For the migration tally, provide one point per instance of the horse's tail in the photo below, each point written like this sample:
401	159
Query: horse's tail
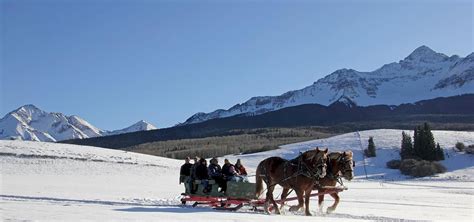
259	179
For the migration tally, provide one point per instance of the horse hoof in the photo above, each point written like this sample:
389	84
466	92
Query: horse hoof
294	208
308	214
330	210
282	207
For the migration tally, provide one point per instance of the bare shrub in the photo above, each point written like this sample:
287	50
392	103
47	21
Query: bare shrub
469	149
394	164
460	146
406	166
421	168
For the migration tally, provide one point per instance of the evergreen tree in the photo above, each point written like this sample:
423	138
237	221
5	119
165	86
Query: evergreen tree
428	143
416	142
439	152
424	146
371	148
407	147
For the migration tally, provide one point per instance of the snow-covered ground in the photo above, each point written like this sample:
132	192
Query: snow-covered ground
46	181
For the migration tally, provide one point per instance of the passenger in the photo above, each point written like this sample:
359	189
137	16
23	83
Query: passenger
228	170
192	174
185	170
215	172
203	175
242	173
240	168
193	167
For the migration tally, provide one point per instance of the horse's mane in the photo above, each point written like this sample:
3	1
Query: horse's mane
332	155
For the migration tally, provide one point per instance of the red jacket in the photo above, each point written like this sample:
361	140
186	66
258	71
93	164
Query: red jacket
241	170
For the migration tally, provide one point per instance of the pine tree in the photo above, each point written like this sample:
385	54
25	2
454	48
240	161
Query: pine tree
406	147
439	152
416	142
429	146
424	146
371	148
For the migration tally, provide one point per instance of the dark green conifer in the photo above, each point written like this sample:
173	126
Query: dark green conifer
406	147
370	152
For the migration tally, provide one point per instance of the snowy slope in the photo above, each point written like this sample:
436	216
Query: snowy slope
424	74
31	123
60	182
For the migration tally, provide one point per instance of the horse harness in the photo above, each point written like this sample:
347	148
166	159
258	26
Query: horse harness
302	169
340	159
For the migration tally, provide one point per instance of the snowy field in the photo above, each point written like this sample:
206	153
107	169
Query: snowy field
59	182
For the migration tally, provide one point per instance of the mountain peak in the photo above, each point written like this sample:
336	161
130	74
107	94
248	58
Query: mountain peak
425	54
28	122
141	125
144	125
28	107
424	74
423	49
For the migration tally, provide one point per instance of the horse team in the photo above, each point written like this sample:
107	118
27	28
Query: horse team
312	170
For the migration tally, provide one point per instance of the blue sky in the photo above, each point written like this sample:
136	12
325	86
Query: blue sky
116	62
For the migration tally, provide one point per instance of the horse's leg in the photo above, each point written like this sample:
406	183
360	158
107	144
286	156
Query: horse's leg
267	201
334	205
284	194
320	200
299	194
270	199
307	195
266	207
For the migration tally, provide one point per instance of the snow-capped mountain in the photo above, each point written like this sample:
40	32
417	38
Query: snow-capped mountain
31	123
139	126
424	74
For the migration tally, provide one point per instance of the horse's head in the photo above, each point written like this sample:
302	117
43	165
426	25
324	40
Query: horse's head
316	161
346	164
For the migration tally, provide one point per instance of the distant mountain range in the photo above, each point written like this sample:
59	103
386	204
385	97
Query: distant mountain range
31	123
424	74
455	112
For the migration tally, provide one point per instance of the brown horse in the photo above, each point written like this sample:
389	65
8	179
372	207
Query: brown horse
299	174
339	163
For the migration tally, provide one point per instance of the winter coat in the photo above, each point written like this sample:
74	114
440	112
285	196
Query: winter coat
215	170
241	170
193	170
201	172
185	169
228	170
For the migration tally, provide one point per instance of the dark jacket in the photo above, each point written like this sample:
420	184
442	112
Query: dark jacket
201	172
185	169
192	170
215	170
228	170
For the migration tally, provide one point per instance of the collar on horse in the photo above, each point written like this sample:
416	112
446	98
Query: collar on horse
303	169
337	176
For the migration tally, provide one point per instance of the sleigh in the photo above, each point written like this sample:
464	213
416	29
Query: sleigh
238	195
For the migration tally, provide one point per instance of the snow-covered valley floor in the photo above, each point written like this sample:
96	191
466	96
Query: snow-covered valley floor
46	181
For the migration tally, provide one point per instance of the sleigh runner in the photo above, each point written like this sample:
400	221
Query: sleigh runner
238	195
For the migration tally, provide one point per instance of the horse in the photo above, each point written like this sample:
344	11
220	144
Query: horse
298	174
339	163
